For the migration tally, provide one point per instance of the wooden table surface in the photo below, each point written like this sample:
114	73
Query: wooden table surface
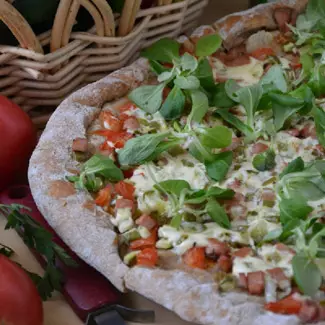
57	311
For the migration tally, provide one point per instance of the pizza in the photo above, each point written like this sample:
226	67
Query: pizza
196	176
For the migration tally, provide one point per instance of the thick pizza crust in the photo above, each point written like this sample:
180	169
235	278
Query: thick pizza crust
86	228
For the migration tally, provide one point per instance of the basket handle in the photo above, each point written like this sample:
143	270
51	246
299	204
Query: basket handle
19	27
128	17
107	15
67	12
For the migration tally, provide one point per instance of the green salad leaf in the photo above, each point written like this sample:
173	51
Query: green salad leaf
148	98
174	104
137	150
216	137
217	213
218	168
164	50
207	45
264	161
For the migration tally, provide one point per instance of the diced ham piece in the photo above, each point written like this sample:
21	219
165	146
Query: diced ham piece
293	132
321	313
308	131
284	248
242	281
146	221
235	184
308	311
216	248
241	60
259	147
242	252
282	17
131	124
236	142
268	195
277	274
80	145
124	203
225	263
256	282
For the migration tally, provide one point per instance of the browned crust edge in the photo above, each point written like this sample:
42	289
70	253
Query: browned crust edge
90	234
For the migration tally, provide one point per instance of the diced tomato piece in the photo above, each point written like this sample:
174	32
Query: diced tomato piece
131	123
126	107
117	138
216	248
243	252
167	65
80	145
145	242
295	65
166	92
262	53
256	282
288	306
146	221
104	197
148	257
125	189
124	203
195	257
225	263
242	281
128	173
259	147
113	123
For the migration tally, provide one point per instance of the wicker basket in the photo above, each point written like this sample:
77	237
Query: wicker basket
38	82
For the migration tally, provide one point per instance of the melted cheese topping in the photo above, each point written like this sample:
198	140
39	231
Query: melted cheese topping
247	74
268	258
183	240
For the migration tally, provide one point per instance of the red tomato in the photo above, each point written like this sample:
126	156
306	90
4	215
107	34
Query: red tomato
288	306
148	257
114	123
195	257
18	139
125	189
263	53
145	242
104	197
20	303
118	138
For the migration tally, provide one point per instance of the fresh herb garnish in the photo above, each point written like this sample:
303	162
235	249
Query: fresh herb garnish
39	239
264	161
94	171
191	77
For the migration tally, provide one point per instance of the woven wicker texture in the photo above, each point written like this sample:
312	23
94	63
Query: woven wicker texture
33	79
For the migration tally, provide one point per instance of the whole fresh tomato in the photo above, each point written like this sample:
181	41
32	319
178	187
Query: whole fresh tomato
17	141
20	303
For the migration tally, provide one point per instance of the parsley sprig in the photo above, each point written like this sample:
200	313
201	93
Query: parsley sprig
40	240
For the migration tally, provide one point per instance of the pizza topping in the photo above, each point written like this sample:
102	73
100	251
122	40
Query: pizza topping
80	145
126	190
147	257
225	177
146	221
195	257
